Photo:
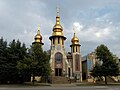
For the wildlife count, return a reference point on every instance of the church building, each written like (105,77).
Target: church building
(62,63)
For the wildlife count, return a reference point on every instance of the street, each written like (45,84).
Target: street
(63,88)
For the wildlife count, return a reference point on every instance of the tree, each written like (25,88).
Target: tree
(3,60)
(36,63)
(107,65)
(96,70)
(16,52)
(9,55)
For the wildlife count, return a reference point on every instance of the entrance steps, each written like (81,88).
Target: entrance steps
(111,79)
(60,80)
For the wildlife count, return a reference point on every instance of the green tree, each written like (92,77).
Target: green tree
(96,71)
(107,65)
(9,55)
(3,60)
(36,63)
(16,52)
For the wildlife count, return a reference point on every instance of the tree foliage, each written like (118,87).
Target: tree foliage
(36,63)
(3,60)
(17,65)
(9,55)
(107,65)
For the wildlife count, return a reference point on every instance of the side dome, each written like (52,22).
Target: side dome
(75,40)
(38,36)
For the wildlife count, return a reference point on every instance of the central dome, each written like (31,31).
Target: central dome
(57,26)
(57,29)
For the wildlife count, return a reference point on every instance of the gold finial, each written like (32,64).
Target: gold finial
(74,28)
(38,29)
(38,26)
(57,17)
(58,11)
(74,35)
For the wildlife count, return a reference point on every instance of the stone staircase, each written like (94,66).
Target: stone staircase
(111,79)
(60,80)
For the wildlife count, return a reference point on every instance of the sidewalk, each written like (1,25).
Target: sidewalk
(59,85)
(63,85)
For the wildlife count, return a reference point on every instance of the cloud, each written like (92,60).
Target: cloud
(102,33)
(77,26)
(92,36)
(94,22)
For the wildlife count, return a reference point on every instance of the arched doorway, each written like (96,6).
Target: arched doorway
(58,64)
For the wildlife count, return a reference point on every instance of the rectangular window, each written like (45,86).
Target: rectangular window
(53,41)
(62,42)
(76,49)
(77,62)
(73,49)
(58,40)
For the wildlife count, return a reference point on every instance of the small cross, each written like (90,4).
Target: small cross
(58,10)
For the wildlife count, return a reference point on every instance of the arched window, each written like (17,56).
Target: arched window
(58,57)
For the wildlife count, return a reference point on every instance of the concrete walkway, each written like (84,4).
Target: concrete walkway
(63,85)
(60,85)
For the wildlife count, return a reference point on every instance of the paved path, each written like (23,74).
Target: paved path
(62,88)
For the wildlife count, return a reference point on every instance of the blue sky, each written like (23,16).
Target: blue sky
(95,21)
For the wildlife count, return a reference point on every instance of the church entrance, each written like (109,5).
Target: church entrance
(58,71)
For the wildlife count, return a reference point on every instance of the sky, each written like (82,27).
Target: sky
(94,21)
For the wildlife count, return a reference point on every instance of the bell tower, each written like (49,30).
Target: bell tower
(57,35)
(75,47)
(58,58)
(76,58)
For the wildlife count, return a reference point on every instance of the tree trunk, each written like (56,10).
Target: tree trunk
(106,80)
(33,81)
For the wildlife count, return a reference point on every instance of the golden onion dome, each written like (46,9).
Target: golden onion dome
(57,29)
(38,36)
(75,40)
(57,26)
